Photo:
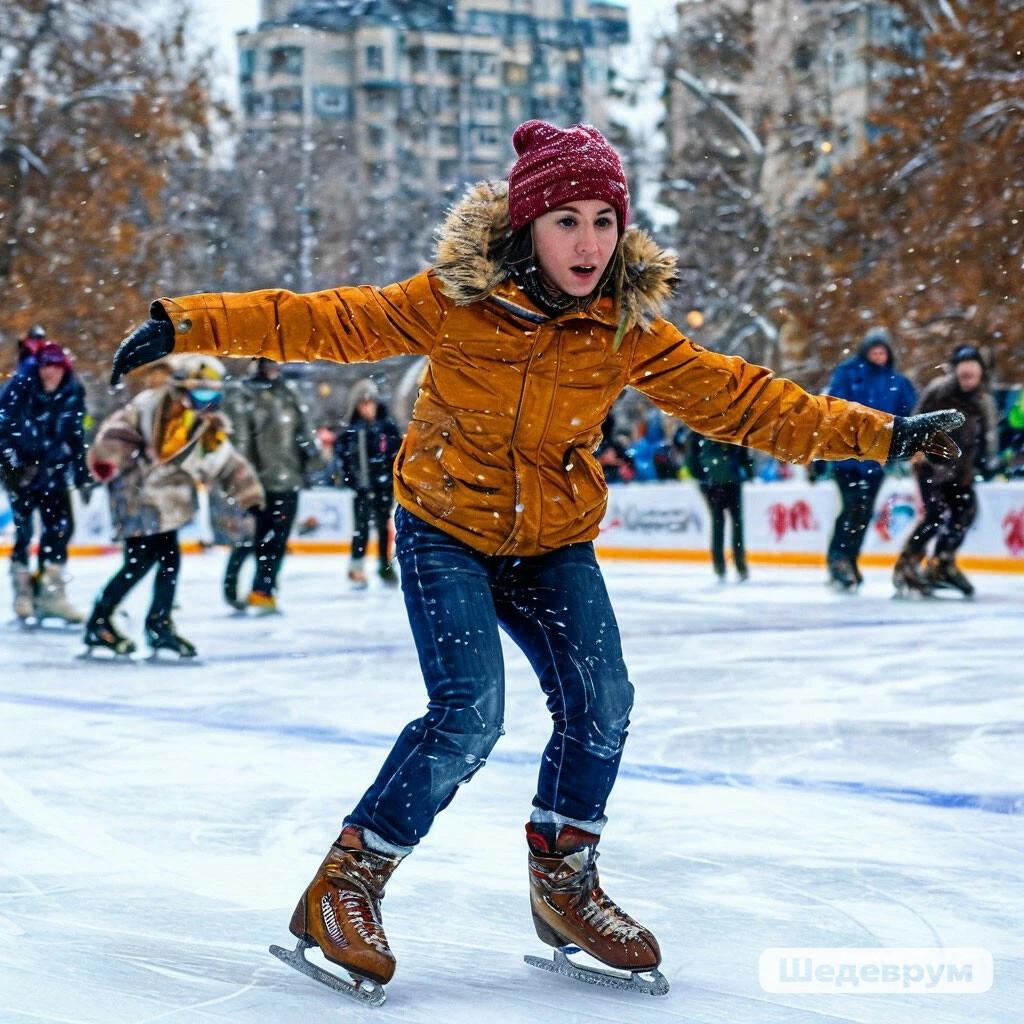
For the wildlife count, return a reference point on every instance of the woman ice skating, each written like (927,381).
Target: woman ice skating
(947,487)
(540,308)
(42,451)
(151,453)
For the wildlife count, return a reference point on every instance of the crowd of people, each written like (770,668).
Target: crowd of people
(249,440)
(642,449)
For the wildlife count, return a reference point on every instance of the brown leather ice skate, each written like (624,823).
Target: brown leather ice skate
(570,907)
(340,909)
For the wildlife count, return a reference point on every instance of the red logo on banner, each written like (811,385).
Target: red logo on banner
(794,518)
(1013,532)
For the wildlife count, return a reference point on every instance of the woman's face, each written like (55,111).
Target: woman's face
(968,374)
(574,243)
(50,377)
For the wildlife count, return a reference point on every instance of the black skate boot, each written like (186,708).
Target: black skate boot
(942,572)
(907,576)
(100,634)
(161,636)
(843,575)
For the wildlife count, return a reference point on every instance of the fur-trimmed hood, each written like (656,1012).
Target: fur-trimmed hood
(468,274)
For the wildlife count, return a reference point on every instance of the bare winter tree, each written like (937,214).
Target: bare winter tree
(97,118)
(714,177)
(924,229)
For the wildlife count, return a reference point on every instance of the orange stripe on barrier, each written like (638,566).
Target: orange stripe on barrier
(301,546)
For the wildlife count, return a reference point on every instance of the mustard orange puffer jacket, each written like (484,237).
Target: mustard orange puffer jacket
(500,449)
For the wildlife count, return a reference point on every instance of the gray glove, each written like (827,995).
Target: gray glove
(926,433)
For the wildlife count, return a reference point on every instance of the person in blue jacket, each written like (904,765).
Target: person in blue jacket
(42,451)
(870,378)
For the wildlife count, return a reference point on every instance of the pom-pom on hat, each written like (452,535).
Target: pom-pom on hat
(556,166)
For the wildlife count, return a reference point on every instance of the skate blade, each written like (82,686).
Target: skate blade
(648,983)
(107,656)
(169,659)
(363,990)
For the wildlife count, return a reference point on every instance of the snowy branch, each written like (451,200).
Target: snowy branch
(701,91)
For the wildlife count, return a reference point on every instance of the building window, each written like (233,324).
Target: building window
(484,63)
(246,64)
(486,136)
(417,56)
(376,136)
(448,170)
(253,103)
(486,100)
(376,100)
(803,57)
(516,74)
(332,101)
(450,62)
(339,59)
(448,135)
(284,60)
(287,101)
(375,58)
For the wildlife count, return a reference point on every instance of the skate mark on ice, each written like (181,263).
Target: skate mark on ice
(994,803)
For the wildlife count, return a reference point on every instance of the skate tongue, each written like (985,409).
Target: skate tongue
(351,838)
(546,838)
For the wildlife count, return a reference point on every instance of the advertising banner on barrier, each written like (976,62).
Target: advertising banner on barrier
(785,522)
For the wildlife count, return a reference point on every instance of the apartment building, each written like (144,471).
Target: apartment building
(425,93)
(807,89)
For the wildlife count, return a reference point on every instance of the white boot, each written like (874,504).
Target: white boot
(357,574)
(21,578)
(51,601)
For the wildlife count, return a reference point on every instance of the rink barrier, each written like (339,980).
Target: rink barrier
(785,524)
(993,803)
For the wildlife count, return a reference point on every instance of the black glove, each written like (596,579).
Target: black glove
(146,344)
(926,433)
(85,489)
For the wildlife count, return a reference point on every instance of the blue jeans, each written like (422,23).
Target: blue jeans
(556,608)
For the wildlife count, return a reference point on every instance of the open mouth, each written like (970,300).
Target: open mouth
(583,269)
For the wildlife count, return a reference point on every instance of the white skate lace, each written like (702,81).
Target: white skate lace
(597,908)
(608,919)
(362,916)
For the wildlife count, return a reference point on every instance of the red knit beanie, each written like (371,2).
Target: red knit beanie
(556,166)
(51,354)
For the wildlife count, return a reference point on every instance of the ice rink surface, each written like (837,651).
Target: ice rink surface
(804,769)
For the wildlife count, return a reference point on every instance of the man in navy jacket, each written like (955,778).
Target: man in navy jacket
(42,451)
(870,378)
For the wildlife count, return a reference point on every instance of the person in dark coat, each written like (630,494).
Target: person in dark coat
(870,378)
(271,430)
(366,452)
(42,451)
(720,470)
(947,488)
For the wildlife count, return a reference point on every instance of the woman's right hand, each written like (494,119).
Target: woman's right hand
(151,341)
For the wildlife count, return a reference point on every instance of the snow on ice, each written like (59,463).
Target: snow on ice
(803,769)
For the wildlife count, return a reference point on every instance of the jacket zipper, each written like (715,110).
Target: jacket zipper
(512,445)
